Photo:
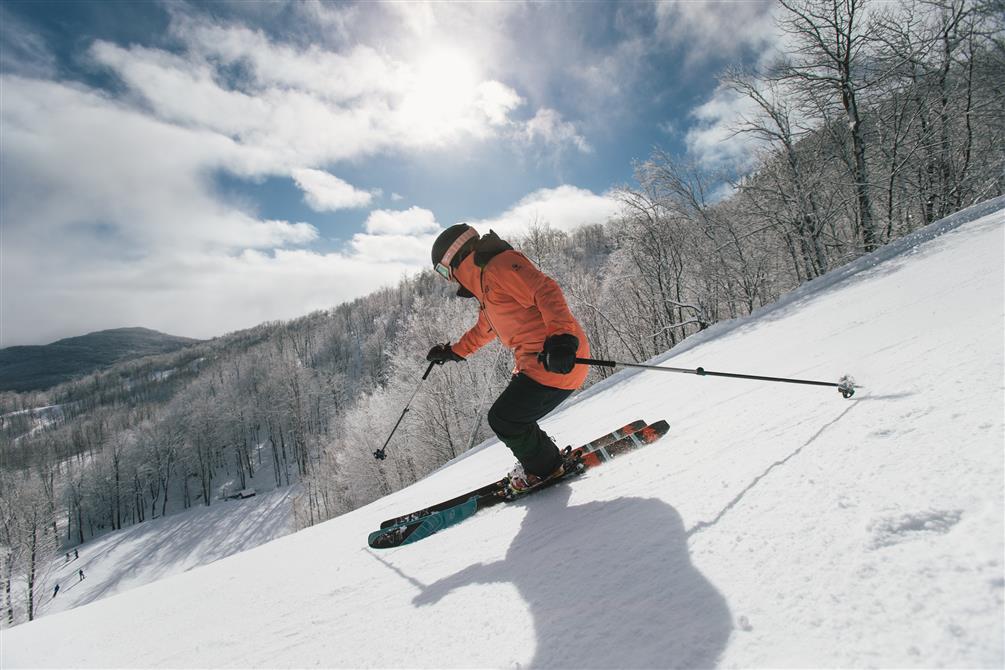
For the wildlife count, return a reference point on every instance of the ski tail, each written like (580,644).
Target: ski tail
(497,486)
(446,504)
(396,536)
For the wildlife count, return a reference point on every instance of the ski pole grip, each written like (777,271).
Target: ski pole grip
(594,361)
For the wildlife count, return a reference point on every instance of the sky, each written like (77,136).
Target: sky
(198,168)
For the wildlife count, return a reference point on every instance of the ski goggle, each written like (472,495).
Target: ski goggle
(443,270)
(443,267)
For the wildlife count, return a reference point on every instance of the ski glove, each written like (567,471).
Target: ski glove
(559,353)
(442,353)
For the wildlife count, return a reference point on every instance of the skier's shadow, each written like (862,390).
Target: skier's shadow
(609,584)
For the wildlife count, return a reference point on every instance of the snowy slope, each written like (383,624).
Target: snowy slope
(153,550)
(777,525)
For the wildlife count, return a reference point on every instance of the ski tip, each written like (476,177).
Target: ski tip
(662,426)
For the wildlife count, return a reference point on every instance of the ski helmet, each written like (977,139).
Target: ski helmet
(446,248)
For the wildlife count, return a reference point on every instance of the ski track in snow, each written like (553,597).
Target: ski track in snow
(775,526)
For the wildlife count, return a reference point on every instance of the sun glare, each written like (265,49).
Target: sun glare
(443,93)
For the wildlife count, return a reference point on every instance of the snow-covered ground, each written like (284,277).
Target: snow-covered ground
(153,550)
(116,561)
(776,526)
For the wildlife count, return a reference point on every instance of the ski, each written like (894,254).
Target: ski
(577,462)
(599,443)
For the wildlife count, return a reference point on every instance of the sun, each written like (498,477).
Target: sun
(442,93)
(447,73)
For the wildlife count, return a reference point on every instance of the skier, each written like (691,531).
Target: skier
(81,574)
(55,591)
(527,311)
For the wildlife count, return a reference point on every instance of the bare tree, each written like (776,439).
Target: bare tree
(828,65)
(797,191)
(32,539)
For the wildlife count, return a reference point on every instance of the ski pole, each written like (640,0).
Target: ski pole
(846,385)
(381,453)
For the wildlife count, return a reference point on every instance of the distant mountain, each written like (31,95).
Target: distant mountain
(34,368)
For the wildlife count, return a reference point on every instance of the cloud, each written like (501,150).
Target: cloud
(355,73)
(732,130)
(714,140)
(95,192)
(325,192)
(411,221)
(74,156)
(406,236)
(306,105)
(745,32)
(197,295)
(496,101)
(295,105)
(396,236)
(541,55)
(548,125)
(563,208)
(708,29)
(410,250)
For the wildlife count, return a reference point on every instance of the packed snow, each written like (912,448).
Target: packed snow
(775,526)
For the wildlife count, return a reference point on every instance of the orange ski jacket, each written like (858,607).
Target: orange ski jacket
(521,306)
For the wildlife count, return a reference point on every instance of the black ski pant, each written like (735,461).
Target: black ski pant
(514,416)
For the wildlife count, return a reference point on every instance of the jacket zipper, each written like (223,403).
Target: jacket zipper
(481,284)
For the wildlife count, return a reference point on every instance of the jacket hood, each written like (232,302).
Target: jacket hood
(488,247)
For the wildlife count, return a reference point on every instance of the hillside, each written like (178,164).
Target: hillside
(38,367)
(777,525)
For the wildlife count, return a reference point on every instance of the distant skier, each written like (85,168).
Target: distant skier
(55,591)
(76,554)
(527,311)
(81,573)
